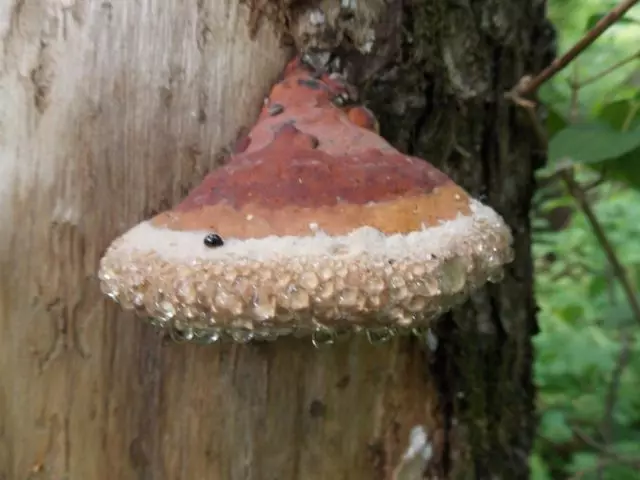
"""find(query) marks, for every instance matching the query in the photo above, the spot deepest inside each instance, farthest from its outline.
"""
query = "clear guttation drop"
(320, 337)
(181, 336)
(379, 336)
(323, 337)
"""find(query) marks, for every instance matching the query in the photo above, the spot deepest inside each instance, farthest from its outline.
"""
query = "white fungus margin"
(281, 285)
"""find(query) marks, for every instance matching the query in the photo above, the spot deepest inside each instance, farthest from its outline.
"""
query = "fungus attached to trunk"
(316, 224)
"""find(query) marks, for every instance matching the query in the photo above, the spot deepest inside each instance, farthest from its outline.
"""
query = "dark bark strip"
(438, 90)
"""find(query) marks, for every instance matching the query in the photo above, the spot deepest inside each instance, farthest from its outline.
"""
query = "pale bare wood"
(109, 110)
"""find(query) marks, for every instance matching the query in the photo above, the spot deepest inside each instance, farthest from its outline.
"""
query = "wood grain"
(109, 112)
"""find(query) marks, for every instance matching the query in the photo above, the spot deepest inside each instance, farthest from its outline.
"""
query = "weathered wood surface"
(110, 111)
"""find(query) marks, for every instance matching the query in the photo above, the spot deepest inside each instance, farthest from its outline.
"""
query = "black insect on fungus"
(275, 109)
(314, 141)
(312, 84)
(213, 240)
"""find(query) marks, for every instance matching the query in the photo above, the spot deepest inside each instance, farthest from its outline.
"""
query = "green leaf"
(633, 79)
(625, 169)
(619, 315)
(554, 427)
(571, 312)
(598, 285)
(582, 306)
(590, 143)
(583, 462)
(539, 470)
(555, 122)
(615, 114)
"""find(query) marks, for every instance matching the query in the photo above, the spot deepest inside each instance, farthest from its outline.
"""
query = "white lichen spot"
(348, 4)
(367, 41)
(418, 444)
(66, 214)
(432, 340)
(415, 459)
(317, 17)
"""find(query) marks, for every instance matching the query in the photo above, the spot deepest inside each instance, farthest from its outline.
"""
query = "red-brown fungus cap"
(315, 224)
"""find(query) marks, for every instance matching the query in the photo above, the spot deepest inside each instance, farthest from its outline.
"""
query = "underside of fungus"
(315, 226)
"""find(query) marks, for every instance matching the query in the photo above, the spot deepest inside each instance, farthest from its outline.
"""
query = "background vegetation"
(588, 348)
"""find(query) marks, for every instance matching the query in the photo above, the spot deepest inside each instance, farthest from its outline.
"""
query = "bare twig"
(527, 88)
(624, 356)
(633, 111)
(602, 176)
(602, 463)
(579, 196)
(616, 376)
(575, 94)
(608, 70)
(604, 450)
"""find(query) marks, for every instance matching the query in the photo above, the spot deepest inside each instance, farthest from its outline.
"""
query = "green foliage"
(592, 142)
(604, 103)
(583, 314)
(586, 323)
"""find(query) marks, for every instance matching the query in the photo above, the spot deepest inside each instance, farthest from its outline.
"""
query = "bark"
(110, 112)
(439, 92)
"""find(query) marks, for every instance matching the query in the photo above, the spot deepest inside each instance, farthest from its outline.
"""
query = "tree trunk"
(110, 112)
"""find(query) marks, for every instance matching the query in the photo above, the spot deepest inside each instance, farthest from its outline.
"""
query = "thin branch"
(579, 196)
(538, 128)
(531, 86)
(608, 70)
(602, 463)
(602, 176)
(633, 111)
(614, 386)
(604, 450)
(575, 94)
(606, 429)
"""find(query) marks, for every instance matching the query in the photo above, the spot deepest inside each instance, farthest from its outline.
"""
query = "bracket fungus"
(315, 226)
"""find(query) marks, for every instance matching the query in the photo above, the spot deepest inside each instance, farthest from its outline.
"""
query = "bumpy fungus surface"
(316, 224)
